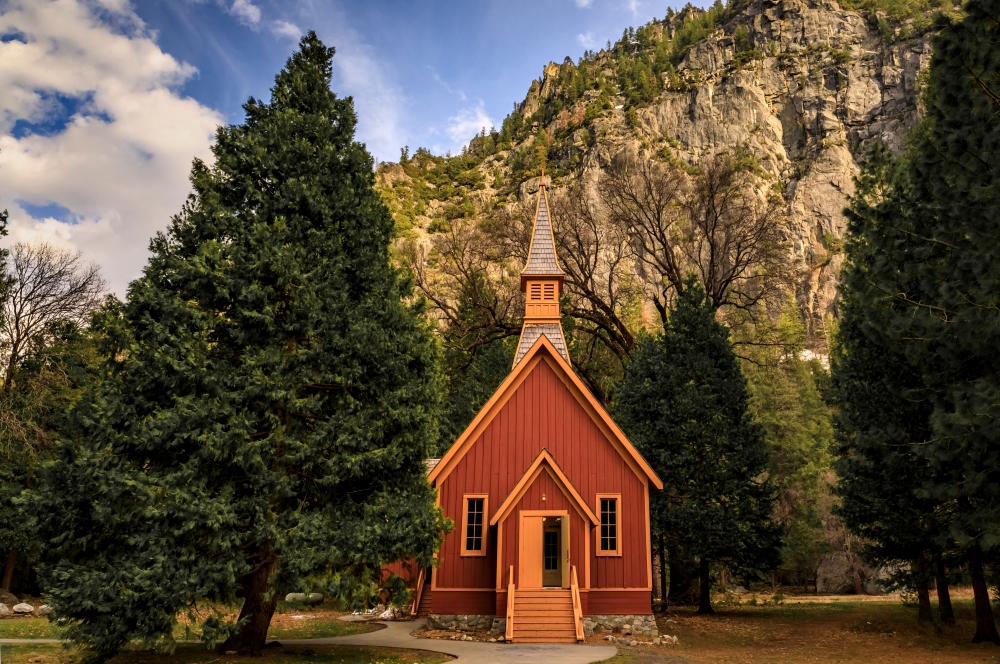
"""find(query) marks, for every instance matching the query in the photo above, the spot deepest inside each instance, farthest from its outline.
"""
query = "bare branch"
(49, 285)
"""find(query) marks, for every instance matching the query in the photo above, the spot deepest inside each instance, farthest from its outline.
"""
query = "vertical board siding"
(543, 413)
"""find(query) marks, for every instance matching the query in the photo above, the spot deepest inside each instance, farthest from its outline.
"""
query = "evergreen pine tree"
(268, 396)
(884, 416)
(935, 270)
(684, 403)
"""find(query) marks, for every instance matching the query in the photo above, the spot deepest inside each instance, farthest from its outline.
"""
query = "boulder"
(387, 615)
(7, 598)
(309, 599)
(44, 610)
(23, 608)
(4, 611)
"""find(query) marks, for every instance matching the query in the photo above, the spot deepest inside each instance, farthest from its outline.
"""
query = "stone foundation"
(637, 625)
(620, 624)
(460, 623)
(499, 627)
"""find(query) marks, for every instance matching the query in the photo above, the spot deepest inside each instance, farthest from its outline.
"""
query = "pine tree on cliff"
(937, 267)
(269, 395)
(683, 402)
(883, 416)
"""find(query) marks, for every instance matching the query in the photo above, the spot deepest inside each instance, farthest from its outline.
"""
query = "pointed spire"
(542, 253)
(542, 282)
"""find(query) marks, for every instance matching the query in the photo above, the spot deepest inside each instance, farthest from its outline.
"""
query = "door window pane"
(551, 549)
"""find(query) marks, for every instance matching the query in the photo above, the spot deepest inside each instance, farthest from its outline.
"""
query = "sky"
(105, 103)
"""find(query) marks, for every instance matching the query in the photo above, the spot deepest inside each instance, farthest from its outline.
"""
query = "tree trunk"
(945, 612)
(663, 573)
(257, 609)
(681, 577)
(923, 592)
(705, 600)
(722, 581)
(986, 629)
(8, 570)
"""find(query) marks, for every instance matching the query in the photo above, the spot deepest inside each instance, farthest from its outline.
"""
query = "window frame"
(617, 551)
(465, 523)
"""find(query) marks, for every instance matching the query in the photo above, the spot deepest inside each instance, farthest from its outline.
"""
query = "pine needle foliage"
(268, 395)
(684, 403)
(927, 288)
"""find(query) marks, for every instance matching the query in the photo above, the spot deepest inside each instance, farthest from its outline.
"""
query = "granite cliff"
(806, 85)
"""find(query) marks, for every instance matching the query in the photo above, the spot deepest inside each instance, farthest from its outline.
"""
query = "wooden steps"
(544, 615)
(425, 602)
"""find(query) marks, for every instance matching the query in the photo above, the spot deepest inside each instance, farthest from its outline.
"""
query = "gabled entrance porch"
(543, 548)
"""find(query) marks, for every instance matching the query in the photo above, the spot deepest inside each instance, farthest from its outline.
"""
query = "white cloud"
(467, 123)
(583, 3)
(633, 6)
(247, 12)
(286, 29)
(120, 163)
(359, 71)
(444, 84)
(587, 40)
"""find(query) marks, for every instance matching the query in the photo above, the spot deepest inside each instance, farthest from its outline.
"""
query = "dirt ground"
(827, 631)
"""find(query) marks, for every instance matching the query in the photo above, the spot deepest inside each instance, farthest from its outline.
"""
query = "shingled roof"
(542, 254)
(530, 333)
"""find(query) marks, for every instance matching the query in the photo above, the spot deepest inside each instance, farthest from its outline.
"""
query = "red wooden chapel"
(549, 498)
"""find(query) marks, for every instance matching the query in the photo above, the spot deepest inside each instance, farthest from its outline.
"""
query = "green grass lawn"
(292, 624)
(28, 628)
(56, 654)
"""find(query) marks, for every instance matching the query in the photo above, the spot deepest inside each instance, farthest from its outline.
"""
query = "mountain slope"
(805, 85)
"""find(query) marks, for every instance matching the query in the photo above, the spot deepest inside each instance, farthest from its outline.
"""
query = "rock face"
(825, 84)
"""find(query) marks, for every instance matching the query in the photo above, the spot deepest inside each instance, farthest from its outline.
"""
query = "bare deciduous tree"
(471, 283)
(47, 285)
(721, 223)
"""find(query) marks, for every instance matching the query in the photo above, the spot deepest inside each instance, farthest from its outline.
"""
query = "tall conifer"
(684, 403)
(268, 396)
(883, 415)
(933, 277)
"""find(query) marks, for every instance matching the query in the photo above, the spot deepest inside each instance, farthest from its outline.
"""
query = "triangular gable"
(544, 351)
(544, 463)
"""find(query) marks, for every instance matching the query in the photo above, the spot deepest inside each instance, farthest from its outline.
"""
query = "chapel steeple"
(542, 283)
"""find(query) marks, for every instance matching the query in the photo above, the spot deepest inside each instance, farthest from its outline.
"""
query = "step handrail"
(420, 592)
(577, 606)
(509, 633)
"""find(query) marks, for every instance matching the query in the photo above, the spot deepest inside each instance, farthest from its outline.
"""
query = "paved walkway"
(397, 635)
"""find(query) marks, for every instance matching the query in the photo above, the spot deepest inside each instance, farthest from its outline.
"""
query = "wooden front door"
(530, 552)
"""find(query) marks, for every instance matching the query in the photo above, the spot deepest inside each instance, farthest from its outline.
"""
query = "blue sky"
(106, 102)
(419, 70)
